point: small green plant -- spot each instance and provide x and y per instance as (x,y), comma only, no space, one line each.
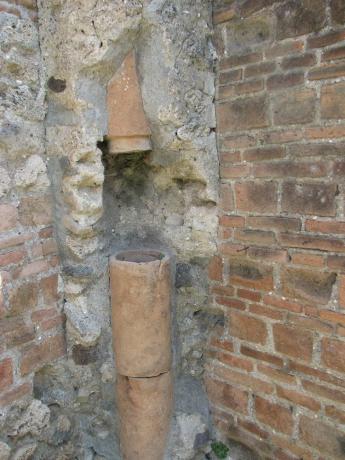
(219,449)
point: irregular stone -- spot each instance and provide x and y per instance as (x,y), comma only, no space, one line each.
(5,182)
(83,327)
(5,451)
(25,452)
(33,174)
(33,421)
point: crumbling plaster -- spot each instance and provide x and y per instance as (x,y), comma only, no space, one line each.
(171,206)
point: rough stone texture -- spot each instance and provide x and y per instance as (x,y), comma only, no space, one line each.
(276,370)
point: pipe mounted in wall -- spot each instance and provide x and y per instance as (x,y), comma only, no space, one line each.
(128,128)
(140,293)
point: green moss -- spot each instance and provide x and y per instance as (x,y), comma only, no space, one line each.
(220,449)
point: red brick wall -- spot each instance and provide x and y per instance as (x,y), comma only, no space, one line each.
(276,371)
(31,323)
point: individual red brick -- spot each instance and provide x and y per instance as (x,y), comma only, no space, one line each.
(283,81)
(268,254)
(226,197)
(326,39)
(222,344)
(333,317)
(333,354)
(38,355)
(227,396)
(339,168)
(274,415)
(231,303)
(283,48)
(327,71)
(259,237)
(230,76)
(296,106)
(9,217)
(298,398)
(238,142)
(316,149)
(259,69)
(256,196)
(53,323)
(341,287)
(49,247)
(35,210)
(293,341)
(282,304)
(243,113)
(274,223)
(230,157)
(284,137)
(291,169)
(15,332)
(12,241)
(31,4)
(308,285)
(325,132)
(234,171)
(232,221)
(291,446)
(310,323)
(323,391)
(300,18)
(31,269)
(337,11)
(235,361)
(49,287)
(317,199)
(332,101)
(253,428)
(230,249)
(334,54)
(335,413)
(246,87)
(246,380)
(247,327)
(23,298)
(223,290)
(265,311)
(261,356)
(311,260)
(249,274)
(6,373)
(215,269)
(239,60)
(279,375)
(46,232)
(304,60)
(12,257)
(249,295)
(15,394)
(312,372)
(265,153)
(336,263)
(312,242)
(223,15)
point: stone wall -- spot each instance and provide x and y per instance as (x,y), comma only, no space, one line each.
(57,178)
(31,321)
(276,371)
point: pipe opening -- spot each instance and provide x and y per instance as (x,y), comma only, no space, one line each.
(140,256)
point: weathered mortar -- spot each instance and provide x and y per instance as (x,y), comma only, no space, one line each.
(168,202)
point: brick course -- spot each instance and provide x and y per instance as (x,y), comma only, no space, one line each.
(281,241)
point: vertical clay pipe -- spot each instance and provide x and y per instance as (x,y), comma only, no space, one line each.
(140,294)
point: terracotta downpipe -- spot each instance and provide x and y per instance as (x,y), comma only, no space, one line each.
(128,129)
(140,294)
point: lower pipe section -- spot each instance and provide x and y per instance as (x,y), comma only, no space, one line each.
(145,407)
